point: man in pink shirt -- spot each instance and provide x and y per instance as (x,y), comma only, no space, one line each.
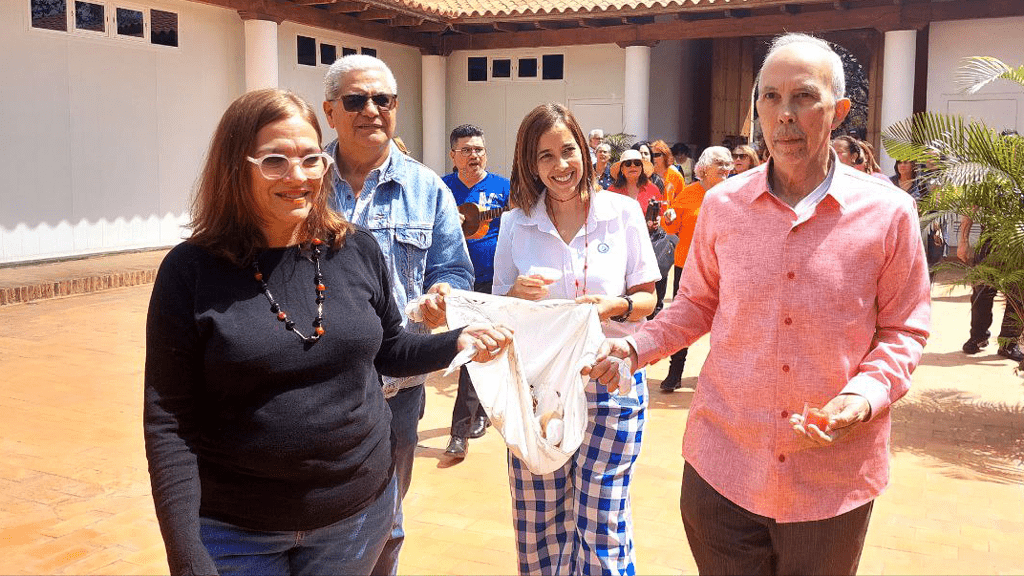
(811,278)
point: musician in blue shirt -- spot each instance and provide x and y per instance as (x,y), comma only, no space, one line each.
(482,197)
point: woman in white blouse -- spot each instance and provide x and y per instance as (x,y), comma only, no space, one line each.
(591,246)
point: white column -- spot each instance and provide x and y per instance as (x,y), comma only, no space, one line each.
(260,53)
(637,90)
(435,136)
(897,84)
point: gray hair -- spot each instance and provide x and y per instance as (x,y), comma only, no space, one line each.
(355,63)
(596,133)
(708,157)
(604,145)
(836,62)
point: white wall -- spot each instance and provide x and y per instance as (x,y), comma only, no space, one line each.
(1001,103)
(592,84)
(103,138)
(673,66)
(308,81)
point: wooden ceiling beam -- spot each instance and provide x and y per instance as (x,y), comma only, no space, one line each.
(409,21)
(346,6)
(431,27)
(375,14)
(760,25)
(505,27)
(281,10)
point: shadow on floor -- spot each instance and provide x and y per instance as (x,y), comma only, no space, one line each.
(678,400)
(986,438)
(958,358)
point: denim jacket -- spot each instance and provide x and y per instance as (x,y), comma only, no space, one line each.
(414,219)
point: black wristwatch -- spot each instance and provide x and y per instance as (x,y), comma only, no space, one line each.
(629,310)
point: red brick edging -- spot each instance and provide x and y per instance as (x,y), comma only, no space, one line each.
(20,294)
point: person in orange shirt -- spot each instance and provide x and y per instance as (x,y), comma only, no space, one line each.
(713,166)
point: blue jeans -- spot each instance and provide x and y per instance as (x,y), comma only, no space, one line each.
(406,410)
(349,546)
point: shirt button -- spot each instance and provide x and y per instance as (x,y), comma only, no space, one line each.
(790,275)
(788,321)
(785,414)
(782,457)
(785,367)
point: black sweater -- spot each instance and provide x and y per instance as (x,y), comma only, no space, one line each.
(247,424)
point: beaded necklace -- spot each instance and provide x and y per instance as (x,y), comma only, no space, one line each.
(586,244)
(318,323)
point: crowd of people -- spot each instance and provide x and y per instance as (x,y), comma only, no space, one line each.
(289,337)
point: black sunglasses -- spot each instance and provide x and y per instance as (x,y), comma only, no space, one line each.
(356,102)
(628,163)
(657,155)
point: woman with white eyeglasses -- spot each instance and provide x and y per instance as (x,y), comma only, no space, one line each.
(266,429)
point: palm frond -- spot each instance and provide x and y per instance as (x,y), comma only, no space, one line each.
(978,71)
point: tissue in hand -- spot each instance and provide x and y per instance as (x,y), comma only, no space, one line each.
(549,274)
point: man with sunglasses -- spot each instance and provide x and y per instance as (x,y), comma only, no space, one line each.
(412,215)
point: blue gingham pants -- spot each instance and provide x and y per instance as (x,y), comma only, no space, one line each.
(577,520)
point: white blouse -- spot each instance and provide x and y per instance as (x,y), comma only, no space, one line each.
(614,245)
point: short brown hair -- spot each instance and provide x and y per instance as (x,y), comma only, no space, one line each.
(525,182)
(225,219)
(666,152)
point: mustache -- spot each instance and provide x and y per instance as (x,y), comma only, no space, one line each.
(788,134)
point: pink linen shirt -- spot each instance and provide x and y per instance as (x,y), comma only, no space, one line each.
(798,312)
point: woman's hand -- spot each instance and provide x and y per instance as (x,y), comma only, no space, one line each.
(490,340)
(607,306)
(531,287)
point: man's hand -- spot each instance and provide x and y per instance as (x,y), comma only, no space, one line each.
(435,311)
(670,215)
(489,340)
(844,412)
(605,370)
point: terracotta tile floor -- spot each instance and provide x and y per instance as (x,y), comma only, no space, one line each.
(74,492)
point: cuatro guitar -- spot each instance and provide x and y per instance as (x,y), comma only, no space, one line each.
(477,222)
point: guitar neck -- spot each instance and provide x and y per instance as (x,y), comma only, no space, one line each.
(492,213)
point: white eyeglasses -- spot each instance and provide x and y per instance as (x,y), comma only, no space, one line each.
(277,166)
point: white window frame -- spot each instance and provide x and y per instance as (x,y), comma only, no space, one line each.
(515,68)
(110,23)
(125,37)
(320,52)
(316,52)
(540,65)
(73,19)
(512,69)
(149,27)
(68,23)
(465,68)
